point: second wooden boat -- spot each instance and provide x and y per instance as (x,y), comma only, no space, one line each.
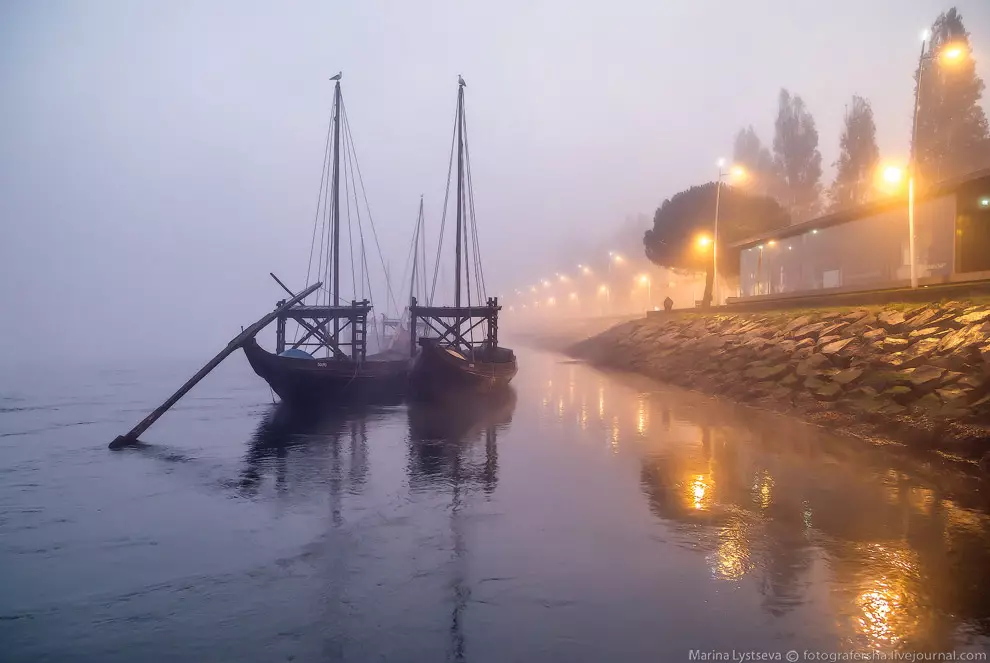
(460,352)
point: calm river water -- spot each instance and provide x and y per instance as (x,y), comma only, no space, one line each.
(589,517)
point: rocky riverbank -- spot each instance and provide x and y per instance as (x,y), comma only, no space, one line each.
(915,374)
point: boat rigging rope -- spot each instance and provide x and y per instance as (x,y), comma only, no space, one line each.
(476,244)
(350,231)
(443,217)
(364,191)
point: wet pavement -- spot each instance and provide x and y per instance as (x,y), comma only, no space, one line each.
(584,517)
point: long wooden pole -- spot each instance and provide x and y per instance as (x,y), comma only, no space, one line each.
(235,343)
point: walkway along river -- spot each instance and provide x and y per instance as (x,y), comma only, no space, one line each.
(591,517)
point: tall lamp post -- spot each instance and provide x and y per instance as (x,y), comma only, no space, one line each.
(948,53)
(739,173)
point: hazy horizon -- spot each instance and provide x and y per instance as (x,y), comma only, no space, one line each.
(159,159)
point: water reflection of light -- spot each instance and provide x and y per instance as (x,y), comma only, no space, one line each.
(614,437)
(641,417)
(601,403)
(560,407)
(763,490)
(879,606)
(583,417)
(700,492)
(922,499)
(886,614)
(731,559)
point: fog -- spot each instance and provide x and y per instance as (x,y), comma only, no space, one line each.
(158,159)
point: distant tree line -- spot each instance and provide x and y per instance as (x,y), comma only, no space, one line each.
(784,182)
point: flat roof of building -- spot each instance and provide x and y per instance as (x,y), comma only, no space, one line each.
(861,211)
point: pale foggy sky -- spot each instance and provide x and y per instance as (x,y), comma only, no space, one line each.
(158,159)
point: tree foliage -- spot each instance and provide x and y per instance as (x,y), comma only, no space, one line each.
(952,134)
(859,157)
(681,219)
(750,153)
(798,161)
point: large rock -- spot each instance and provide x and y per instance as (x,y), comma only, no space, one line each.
(855,316)
(811,365)
(926,378)
(962,338)
(918,354)
(954,396)
(808,331)
(829,391)
(923,317)
(797,323)
(847,376)
(895,343)
(835,346)
(927,331)
(975,317)
(875,334)
(898,393)
(891,320)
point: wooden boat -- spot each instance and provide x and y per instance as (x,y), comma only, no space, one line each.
(308,381)
(461,352)
(338,331)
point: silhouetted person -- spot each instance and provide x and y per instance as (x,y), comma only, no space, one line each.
(668,304)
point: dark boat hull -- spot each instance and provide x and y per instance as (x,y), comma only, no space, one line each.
(437,372)
(315,382)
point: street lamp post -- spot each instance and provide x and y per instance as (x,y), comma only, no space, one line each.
(740,173)
(718,193)
(953,53)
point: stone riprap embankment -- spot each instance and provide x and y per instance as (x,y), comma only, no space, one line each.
(919,374)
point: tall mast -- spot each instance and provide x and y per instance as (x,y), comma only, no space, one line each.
(460,187)
(335,206)
(416,242)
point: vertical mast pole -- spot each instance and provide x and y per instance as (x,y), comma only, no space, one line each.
(335,210)
(413,279)
(460,191)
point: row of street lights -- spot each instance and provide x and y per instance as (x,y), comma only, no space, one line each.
(893,175)
(615,260)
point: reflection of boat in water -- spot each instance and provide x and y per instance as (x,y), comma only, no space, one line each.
(299,449)
(443,437)
(444,457)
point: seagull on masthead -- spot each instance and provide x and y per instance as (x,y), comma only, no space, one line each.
(460,81)
(337,77)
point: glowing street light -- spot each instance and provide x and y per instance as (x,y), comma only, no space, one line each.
(952,53)
(893,174)
(573,296)
(546,284)
(985,202)
(703,241)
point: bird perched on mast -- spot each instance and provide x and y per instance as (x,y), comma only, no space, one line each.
(460,81)
(337,77)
